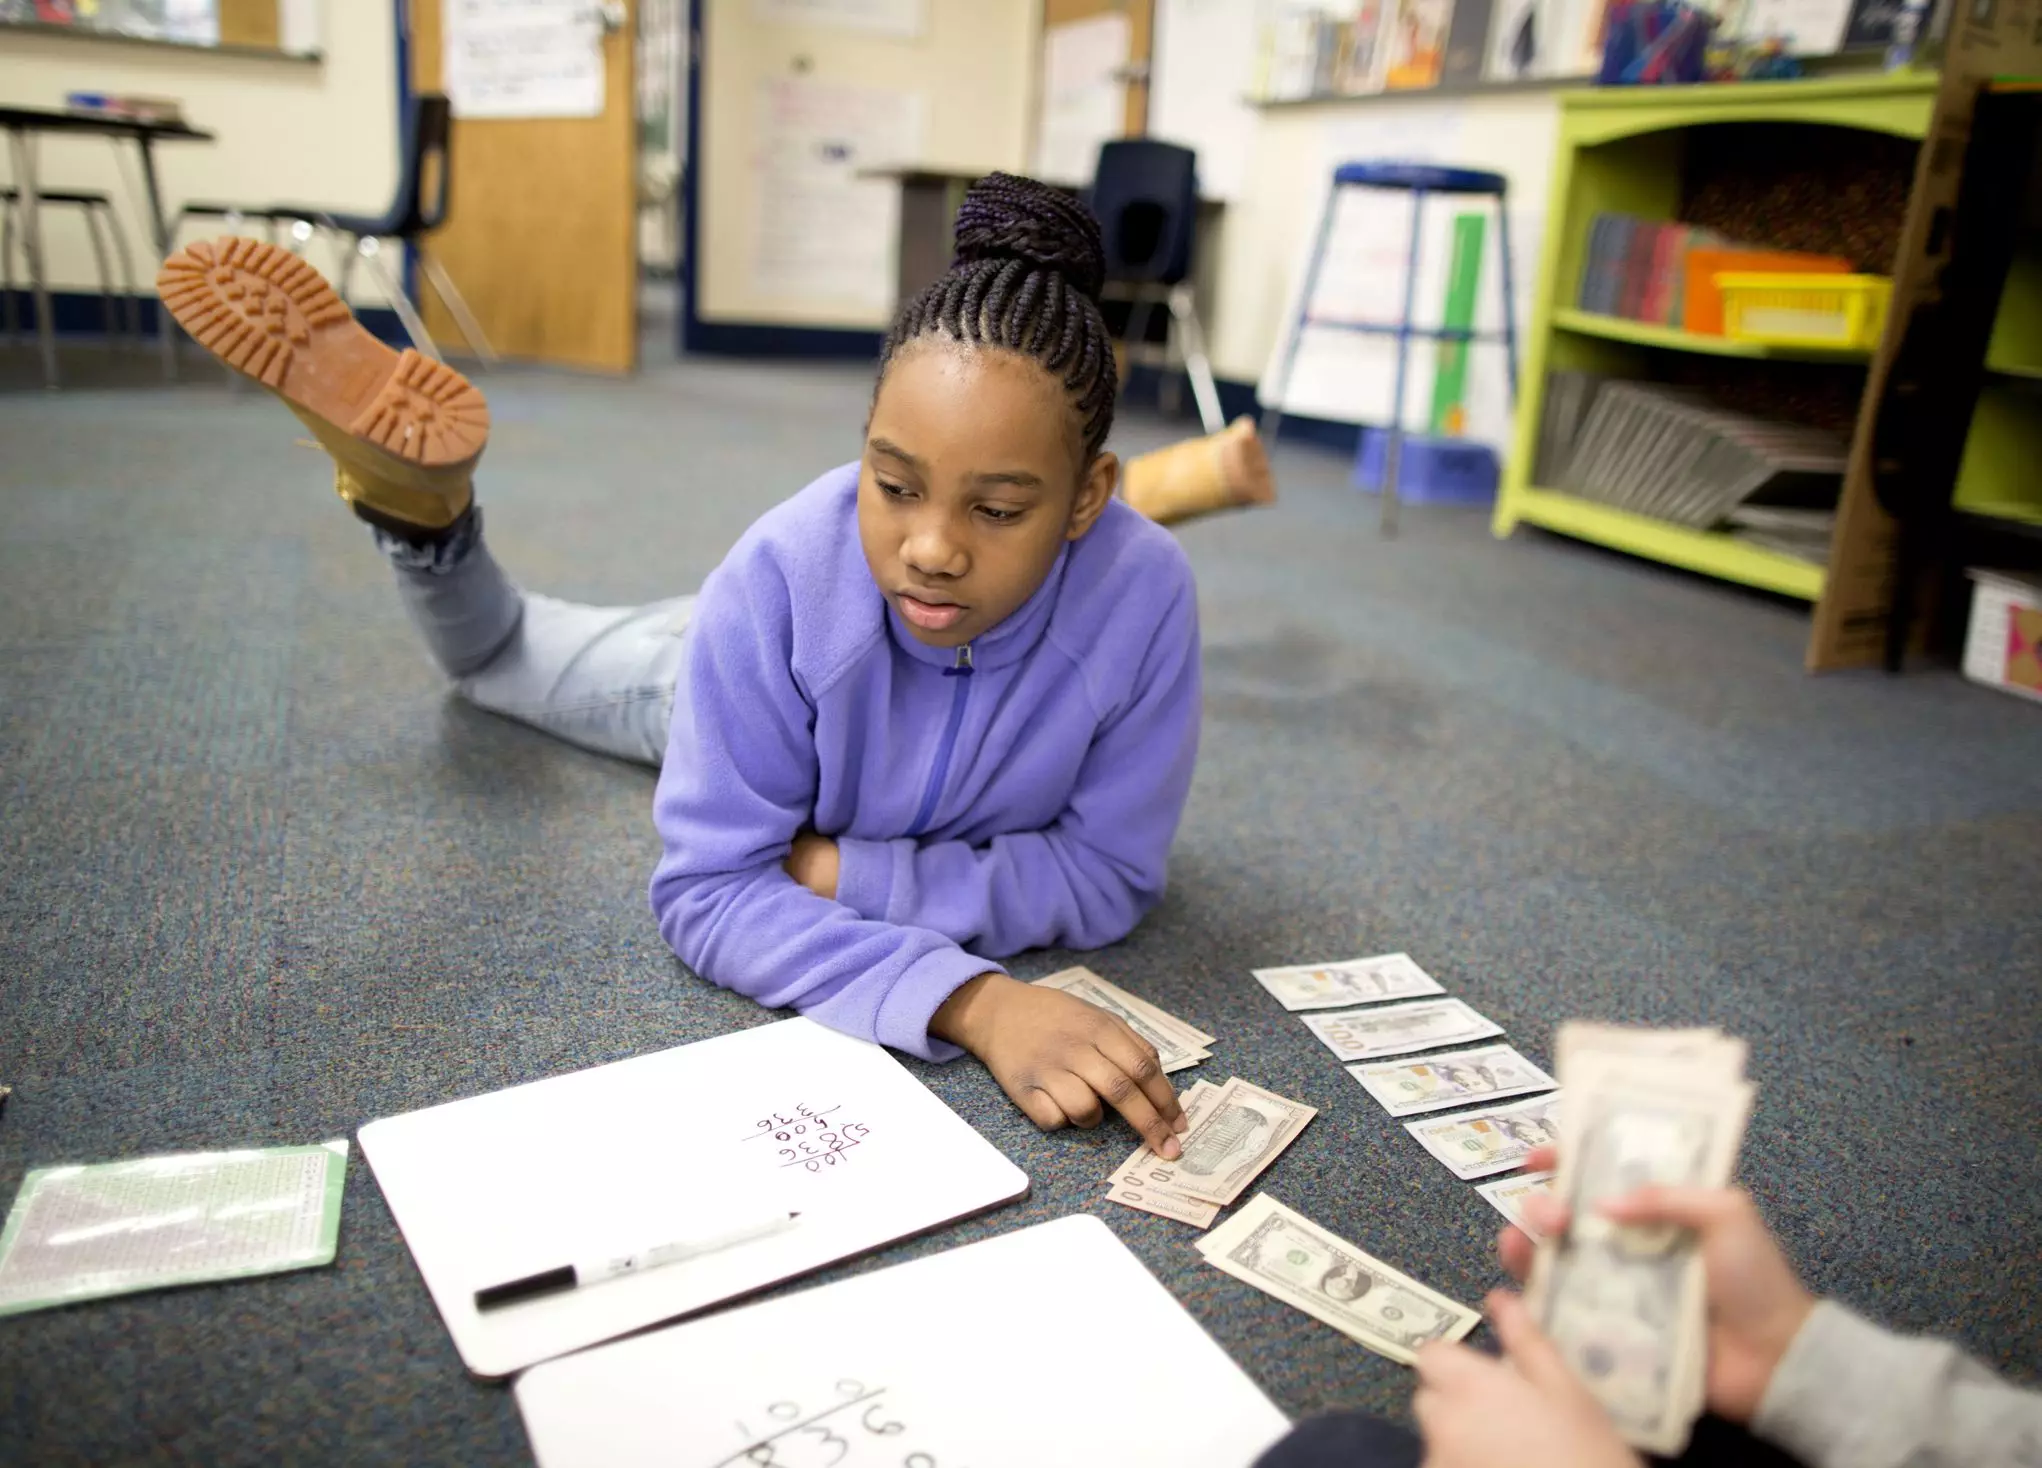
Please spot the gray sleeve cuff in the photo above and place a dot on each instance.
(1850, 1393)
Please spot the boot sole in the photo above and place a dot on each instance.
(273, 318)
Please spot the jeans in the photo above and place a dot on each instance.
(1356, 1440)
(602, 678)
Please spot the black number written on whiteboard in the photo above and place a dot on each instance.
(815, 1138)
(855, 1428)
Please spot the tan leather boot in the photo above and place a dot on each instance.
(1200, 475)
(404, 431)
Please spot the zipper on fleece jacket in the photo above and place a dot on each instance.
(961, 670)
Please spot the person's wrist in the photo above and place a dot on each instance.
(1782, 1330)
(967, 1015)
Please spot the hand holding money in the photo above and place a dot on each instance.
(1624, 1301)
(1062, 1060)
(1528, 1410)
(1754, 1304)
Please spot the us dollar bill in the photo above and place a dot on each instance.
(1624, 1303)
(1435, 1082)
(1497, 1139)
(1178, 1045)
(1246, 1129)
(1349, 981)
(1507, 1194)
(1284, 1254)
(1141, 1183)
(1398, 1029)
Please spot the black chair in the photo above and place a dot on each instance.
(419, 208)
(1145, 196)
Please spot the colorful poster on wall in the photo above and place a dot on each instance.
(821, 234)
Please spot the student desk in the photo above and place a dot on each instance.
(22, 125)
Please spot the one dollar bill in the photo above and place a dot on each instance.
(1284, 1254)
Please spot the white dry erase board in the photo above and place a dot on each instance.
(672, 1145)
(1049, 1345)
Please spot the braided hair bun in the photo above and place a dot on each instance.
(1008, 218)
(1026, 279)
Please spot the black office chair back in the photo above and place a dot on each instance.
(422, 192)
(1145, 196)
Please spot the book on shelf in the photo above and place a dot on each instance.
(1415, 42)
(1664, 272)
(1467, 42)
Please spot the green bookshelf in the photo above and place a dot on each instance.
(1622, 150)
(1672, 338)
(1998, 477)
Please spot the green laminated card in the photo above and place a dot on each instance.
(81, 1233)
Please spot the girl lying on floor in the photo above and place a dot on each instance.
(942, 703)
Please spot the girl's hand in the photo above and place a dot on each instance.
(813, 863)
(1527, 1410)
(1060, 1058)
(1754, 1304)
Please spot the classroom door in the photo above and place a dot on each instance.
(541, 233)
(1141, 30)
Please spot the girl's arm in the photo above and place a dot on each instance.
(1089, 877)
(738, 783)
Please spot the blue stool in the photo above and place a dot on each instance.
(1420, 180)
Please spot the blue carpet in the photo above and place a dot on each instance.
(262, 881)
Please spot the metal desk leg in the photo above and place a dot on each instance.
(162, 229)
(23, 148)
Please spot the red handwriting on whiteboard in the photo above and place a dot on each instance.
(813, 1137)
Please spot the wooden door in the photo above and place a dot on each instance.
(1140, 33)
(541, 235)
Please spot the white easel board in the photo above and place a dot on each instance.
(783, 1117)
(1049, 1345)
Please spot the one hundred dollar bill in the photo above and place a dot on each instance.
(1178, 1044)
(1286, 1255)
(1140, 1182)
(1398, 1029)
(1623, 1303)
(1246, 1129)
(1435, 1082)
(1349, 981)
(1507, 1194)
(1496, 1139)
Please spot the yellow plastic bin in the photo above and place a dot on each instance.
(1843, 312)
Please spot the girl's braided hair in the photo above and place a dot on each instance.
(1026, 279)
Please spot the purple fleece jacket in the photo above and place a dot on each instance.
(1019, 793)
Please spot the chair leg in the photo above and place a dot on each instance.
(132, 314)
(1197, 365)
(8, 309)
(371, 251)
(348, 246)
(100, 259)
(457, 305)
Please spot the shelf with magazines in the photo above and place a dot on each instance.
(1643, 424)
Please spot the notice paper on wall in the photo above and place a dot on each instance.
(523, 58)
(81, 1233)
(822, 234)
(906, 19)
(1084, 96)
